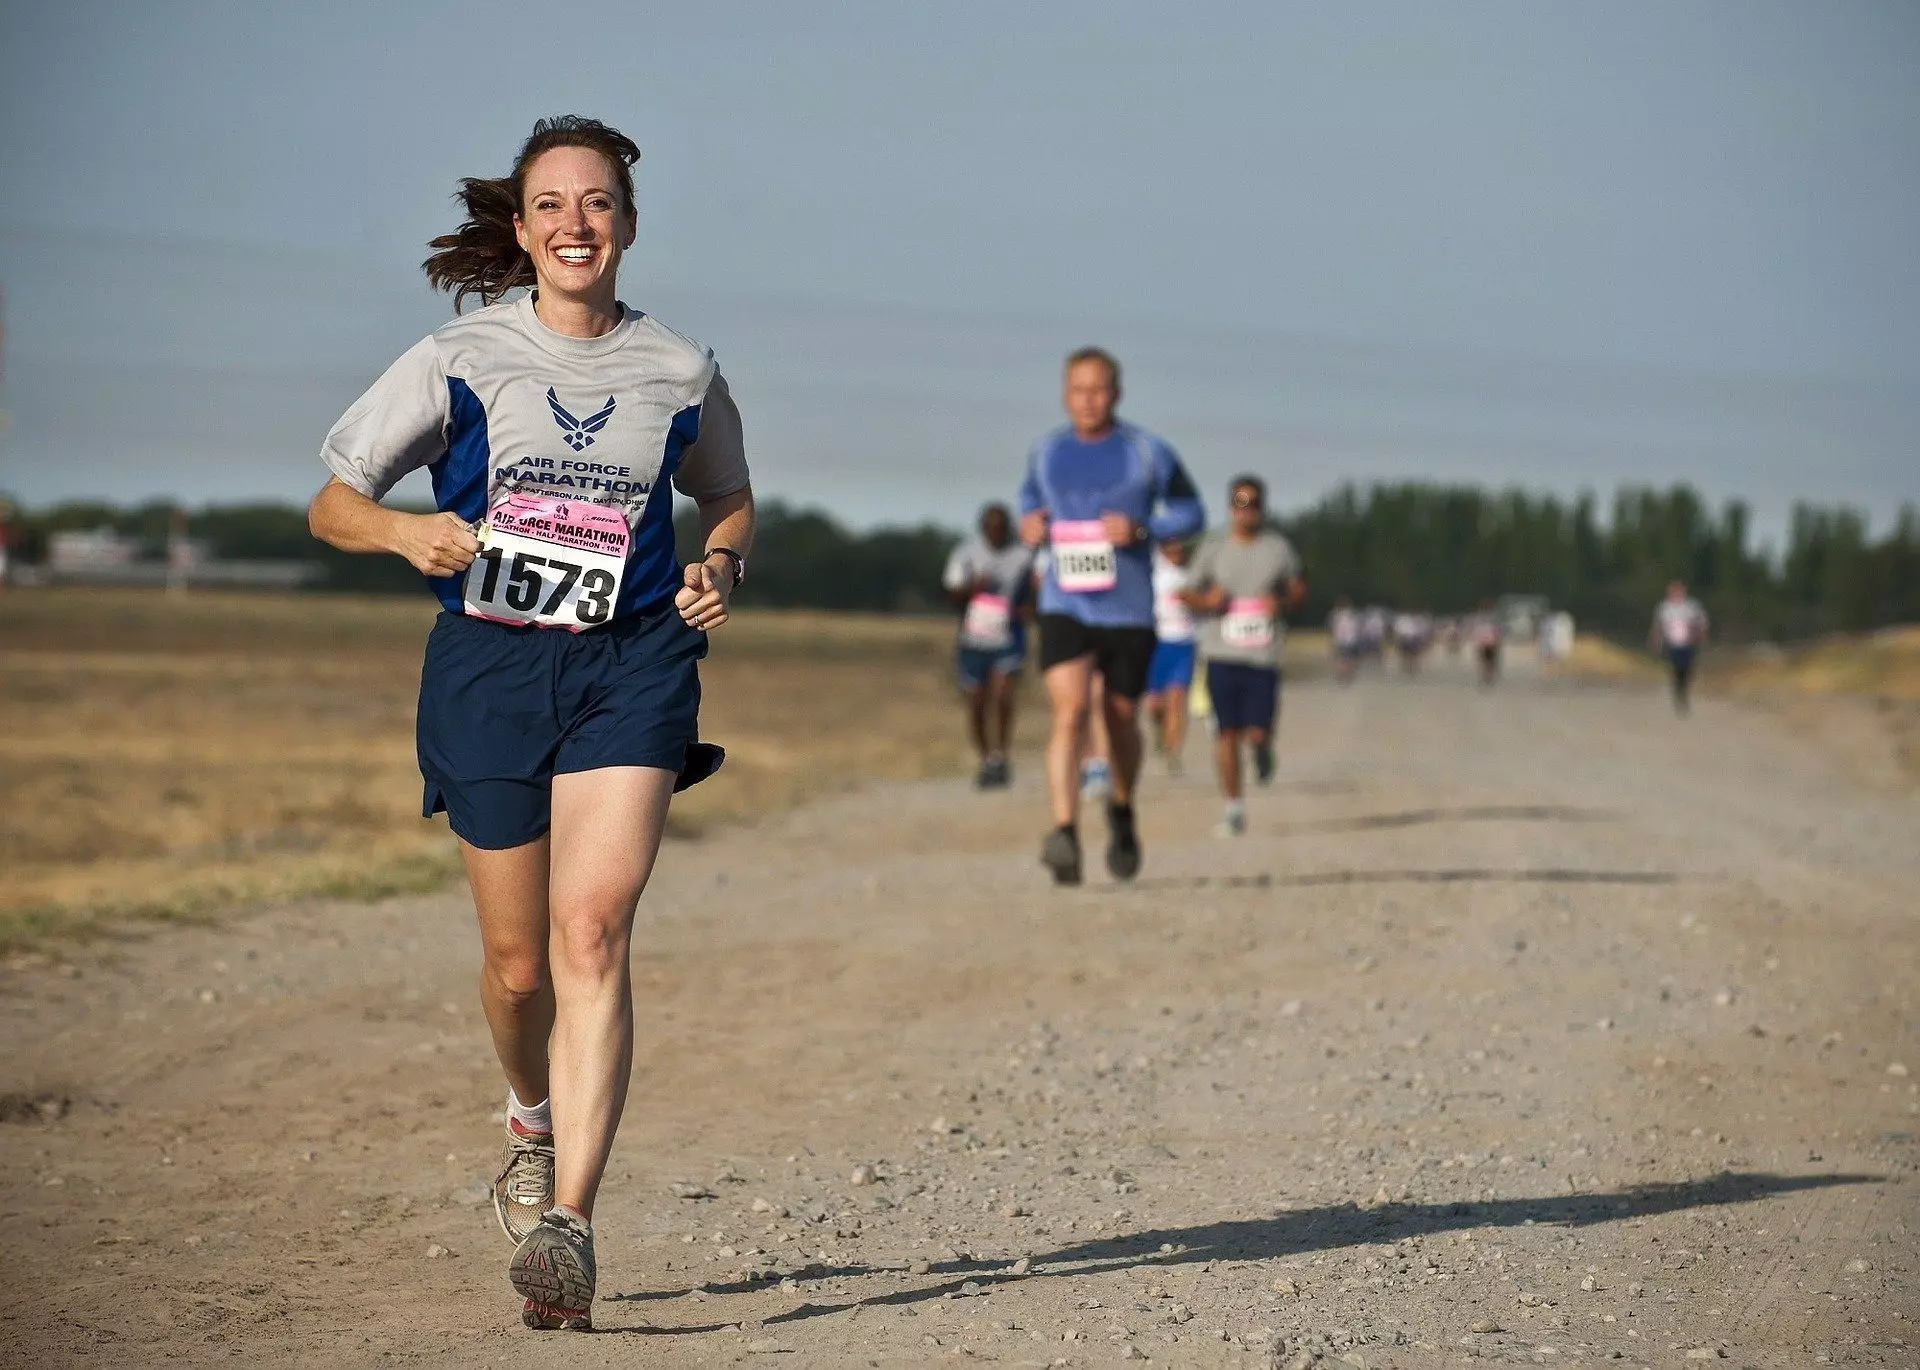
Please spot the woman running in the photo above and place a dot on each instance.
(560, 694)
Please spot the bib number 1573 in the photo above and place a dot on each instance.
(548, 562)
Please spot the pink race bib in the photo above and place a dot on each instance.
(551, 562)
(989, 622)
(1247, 624)
(1083, 558)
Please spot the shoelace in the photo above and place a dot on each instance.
(522, 1176)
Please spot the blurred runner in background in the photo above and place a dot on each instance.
(1344, 628)
(990, 579)
(1412, 635)
(1484, 630)
(1679, 630)
(1243, 581)
(1170, 675)
(1097, 493)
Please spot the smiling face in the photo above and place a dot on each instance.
(574, 225)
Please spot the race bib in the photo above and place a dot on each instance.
(1172, 619)
(1083, 559)
(1247, 624)
(989, 622)
(554, 563)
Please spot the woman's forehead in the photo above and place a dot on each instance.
(570, 167)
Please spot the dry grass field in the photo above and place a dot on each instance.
(169, 757)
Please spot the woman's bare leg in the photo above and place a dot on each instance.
(606, 833)
(510, 897)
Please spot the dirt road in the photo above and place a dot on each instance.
(1527, 1025)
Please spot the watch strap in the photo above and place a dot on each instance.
(739, 562)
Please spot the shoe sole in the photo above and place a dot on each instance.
(541, 1317)
(558, 1292)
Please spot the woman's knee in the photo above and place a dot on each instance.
(591, 939)
(517, 974)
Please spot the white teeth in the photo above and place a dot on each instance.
(574, 254)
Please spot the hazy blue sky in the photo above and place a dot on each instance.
(1554, 244)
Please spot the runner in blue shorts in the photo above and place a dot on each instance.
(1170, 673)
(560, 694)
(1244, 580)
(1679, 629)
(989, 578)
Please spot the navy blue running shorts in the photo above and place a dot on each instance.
(504, 708)
(1244, 696)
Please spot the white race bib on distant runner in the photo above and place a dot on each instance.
(1172, 619)
(1083, 559)
(554, 563)
(989, 622)
(1247, 624)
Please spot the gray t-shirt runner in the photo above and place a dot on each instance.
(1007, 573)
(1246, 631)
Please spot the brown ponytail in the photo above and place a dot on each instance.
(482, 257)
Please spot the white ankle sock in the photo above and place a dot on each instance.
(534, 1118)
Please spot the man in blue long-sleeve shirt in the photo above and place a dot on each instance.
(1098, 493)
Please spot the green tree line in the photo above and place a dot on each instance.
(1438, 547)
(1445, 548)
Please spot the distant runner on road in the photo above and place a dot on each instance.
(1244, 580)
(1679, 630)
(560, 694)
(1098, 491)
(1170, 673)
(1344, 627)
(1484, 631)
(1412, 635)
(990, 578)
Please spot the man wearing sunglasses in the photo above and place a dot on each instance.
(1243, 581)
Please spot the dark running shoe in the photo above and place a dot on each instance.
(553, 1270)
(1123, 843)
(1060, 853)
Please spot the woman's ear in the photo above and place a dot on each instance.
(520, 235)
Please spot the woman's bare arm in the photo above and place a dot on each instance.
(434, 544)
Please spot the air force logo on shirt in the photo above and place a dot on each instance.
(578, 433)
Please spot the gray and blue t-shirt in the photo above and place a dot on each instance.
(990, 620)
(1254, 575)
(495, 403)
